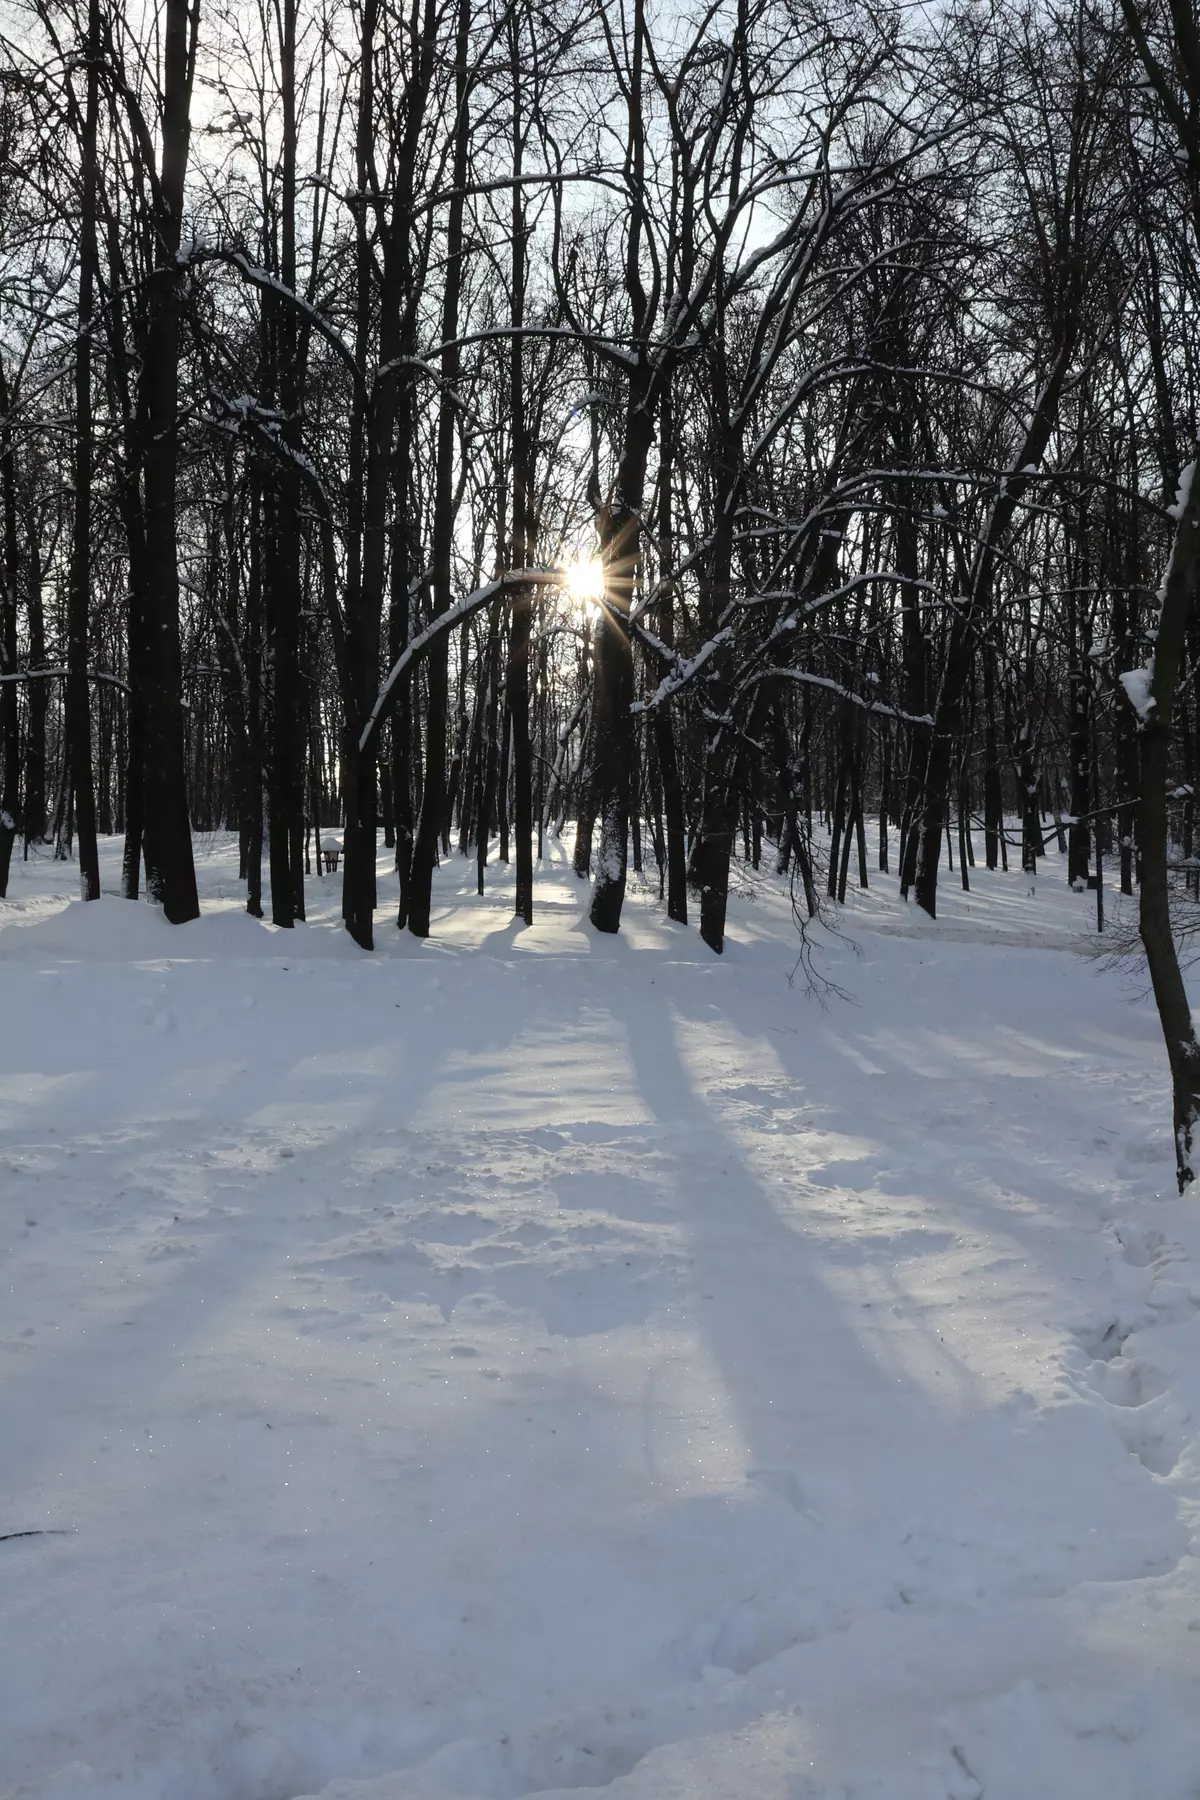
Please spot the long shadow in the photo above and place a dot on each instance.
(834, 1397)
(856, 1479)
(765, 1311)
(261, 1105)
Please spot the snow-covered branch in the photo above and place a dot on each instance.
(439, 627)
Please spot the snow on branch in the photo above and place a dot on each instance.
(437, 628)
(62, 673)
(683, 672)
(843, 693)
(1139, 684)
(268, 283)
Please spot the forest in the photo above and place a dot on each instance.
(441, 422)
(599, 886)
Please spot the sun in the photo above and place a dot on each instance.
(583, 581)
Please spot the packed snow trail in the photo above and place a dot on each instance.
(530, 1361)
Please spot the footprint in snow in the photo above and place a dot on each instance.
(1147, 1417)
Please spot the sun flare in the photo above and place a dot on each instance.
(584, 583)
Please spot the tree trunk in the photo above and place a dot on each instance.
(433, 798)
(490, 755)
(10, 734)
(1153, 694)
(612, 721)
(34, 810)
(523, 526)
(170, 870)
(78, 708)
(664, 726)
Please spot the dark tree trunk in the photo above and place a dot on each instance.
(612, 721)
(619, 528)
(502, 782)
(170, 871)
(993, 791)
(10, 733)
(915, 652)
(523, 526)
(490, 755)
(78, 708)
(34, 810)
(1154, 742)
(1079, 734)
(399, 609)
(433, 798)
(472, 773)
(664, 727)
(252, 818)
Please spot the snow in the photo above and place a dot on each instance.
(684, 670)
(467, 1371)
(1183, 492)
(1138, 685)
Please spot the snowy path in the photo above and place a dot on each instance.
(470, 1372)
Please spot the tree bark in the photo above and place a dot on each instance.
(433, 797)
(10, 735)
(78, 707)
(170, 870)
(523, 527)
(1153, 693)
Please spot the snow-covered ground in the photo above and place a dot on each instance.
(528, 1361)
